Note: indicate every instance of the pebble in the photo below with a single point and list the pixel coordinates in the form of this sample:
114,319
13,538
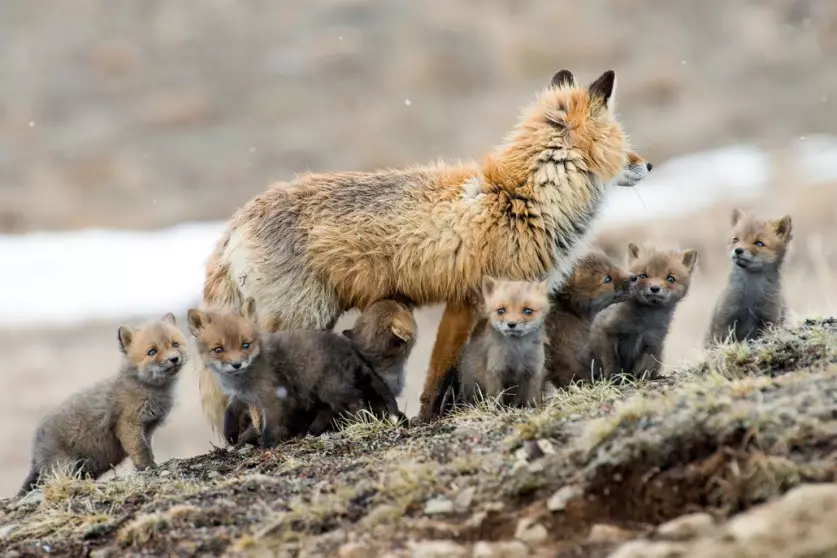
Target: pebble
558,501
503,549
437,549
464,498
546,446
245,449
213,474
165,473
32,498
687,526
649,549
530,532
602,532
438,506
353,550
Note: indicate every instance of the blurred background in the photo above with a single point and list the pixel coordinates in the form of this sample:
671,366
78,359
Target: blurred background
130,131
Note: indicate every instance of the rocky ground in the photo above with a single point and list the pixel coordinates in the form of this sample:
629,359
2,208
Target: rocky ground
734,456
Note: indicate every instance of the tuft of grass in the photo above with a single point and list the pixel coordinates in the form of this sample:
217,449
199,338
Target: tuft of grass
143,529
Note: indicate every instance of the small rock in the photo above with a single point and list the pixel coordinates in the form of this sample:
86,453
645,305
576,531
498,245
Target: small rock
536,467
546,446
464,498
438,506
686,527
495,506
165,473
603,533
558,501
504,549
353,550
475,521
32,498
529,532
533,450
649,549
436,549
245,449
213,474
6,530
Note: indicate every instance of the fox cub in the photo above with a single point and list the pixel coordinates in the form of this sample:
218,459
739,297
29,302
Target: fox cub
288,375
505,353
595,284
752,299
95,429
629,337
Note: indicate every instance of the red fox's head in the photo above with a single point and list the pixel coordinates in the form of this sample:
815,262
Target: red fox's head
385,328
596,283
157,349
757,245
228,340
515,308
663,277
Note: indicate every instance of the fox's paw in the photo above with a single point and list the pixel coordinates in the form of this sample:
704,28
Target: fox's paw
634,171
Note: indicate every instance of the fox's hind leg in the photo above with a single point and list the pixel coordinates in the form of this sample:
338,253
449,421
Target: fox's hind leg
32,480
454,329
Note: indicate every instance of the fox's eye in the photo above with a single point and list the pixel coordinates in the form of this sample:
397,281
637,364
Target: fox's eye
218,349
608,279
501,311
175,344
670,278
759,243
735,240
528,311
245,345
643,276
152,352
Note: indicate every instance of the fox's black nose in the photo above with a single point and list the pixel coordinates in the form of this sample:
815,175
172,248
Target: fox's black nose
739,251
511,325
174,359
649,166
633,277
655,289
237,365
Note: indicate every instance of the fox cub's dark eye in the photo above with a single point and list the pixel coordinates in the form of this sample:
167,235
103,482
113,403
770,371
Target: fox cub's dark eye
643,276
760,244
670,278
152,352
608,279
528,311
501,310
735,240
175,344
245,345
218,349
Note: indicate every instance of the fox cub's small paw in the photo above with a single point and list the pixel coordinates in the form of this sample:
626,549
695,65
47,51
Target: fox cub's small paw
399,419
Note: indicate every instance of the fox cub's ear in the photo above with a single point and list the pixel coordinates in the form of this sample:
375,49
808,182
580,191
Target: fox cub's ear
169,319
248,310
542,287
783,228
633,252
603,87
488,285
197,320
735,216
564,78
689,259
125,336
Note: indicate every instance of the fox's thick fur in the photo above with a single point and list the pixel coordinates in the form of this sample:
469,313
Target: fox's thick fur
309,249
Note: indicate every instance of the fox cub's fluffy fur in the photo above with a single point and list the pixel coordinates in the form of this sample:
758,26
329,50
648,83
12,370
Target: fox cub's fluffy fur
310,249
752,300
98,427
628,338
595,284
297,375
505,353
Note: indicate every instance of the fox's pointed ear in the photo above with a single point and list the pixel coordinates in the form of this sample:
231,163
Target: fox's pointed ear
401,333
564,78
348,333
125,336
604,87
542,287
488,285
735,216
689,259
169,319
633,252
197,320
783,228
248,310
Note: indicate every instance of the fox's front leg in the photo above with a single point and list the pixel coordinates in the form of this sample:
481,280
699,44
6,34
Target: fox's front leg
635,169
648,365
454,329
130,434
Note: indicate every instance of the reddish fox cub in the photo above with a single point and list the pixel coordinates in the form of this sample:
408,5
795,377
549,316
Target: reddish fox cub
505,353
595,284
628,338
312,248
752,299
98,427
288,374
